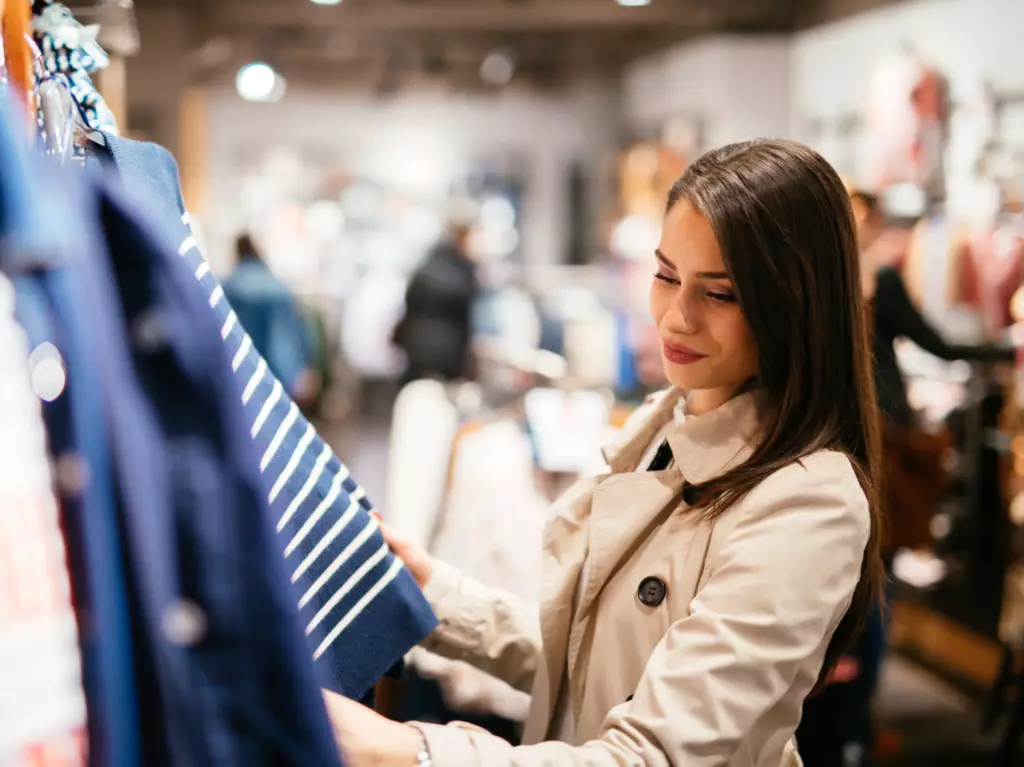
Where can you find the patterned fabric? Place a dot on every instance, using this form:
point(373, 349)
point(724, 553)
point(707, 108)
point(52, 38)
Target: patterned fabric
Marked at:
point(39, 653)
point(362, 610)
point(69, 50)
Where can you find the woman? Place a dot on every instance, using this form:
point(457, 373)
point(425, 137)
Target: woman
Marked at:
point(696, 596)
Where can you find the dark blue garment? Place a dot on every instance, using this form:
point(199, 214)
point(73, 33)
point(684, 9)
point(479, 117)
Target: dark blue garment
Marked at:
point(269, 314)
point(362, 609)
point(221, 665)
point(50, 309)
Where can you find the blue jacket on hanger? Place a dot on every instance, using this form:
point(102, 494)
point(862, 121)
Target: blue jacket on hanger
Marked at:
point(362, 609)
point(220, 663)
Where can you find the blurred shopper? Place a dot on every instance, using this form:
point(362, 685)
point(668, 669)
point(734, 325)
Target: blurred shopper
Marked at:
point(836, 730)
point(436, 332)
point(274, 320)
point(694, 598)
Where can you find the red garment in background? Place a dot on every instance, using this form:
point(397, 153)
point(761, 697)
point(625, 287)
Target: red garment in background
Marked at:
point(998, 265)
point(906, 123)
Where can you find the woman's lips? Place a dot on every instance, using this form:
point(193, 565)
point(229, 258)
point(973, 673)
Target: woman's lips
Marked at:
point(681, 355)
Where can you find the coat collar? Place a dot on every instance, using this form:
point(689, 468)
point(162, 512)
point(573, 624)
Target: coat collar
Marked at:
point(704, 447)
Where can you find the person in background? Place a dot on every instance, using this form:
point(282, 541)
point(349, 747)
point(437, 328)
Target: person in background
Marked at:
point(895, 316)
point(837, 727)
point(273, 319)
point(436, 332)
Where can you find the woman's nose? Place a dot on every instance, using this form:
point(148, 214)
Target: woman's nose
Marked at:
point(682, 315)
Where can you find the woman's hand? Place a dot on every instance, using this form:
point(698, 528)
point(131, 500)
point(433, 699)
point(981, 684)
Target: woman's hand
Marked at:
point(367, 739)
point(417, 560)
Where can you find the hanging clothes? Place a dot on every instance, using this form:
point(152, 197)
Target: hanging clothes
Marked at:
point(218, 659)
point(362, 610)
point(40, 660)
point(34, 224)
point(491, 528)
point(998, 257)
point(70, 49)
point(424, 427)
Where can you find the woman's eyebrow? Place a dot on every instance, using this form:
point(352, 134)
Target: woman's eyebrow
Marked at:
point(714, 275)
point(664, 260)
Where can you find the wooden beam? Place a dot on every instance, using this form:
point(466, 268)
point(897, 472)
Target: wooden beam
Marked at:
point(469, 15)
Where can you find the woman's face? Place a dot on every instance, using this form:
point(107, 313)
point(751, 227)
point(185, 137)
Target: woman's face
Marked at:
point(706, 344)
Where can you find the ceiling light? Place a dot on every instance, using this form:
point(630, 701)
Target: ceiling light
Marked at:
point(326, 2)
point(633, 3)
point(498, 68)
point(259, 82)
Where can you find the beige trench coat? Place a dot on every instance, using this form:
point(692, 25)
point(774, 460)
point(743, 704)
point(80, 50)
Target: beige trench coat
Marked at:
point(717, 672)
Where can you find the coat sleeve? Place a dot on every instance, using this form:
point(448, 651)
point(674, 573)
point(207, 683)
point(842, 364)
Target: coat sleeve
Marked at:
point(489, 628)
point(735, 672)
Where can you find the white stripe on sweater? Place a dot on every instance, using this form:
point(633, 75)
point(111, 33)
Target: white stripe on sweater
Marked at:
point(282, 432)
point(268, 407)
point(323, 543)
point(348, 585)
point(314, 518)
point(242, 353)
point(358, 608)
point(229, 325)
point(293, 463)
point(257, 377)
point(343, 557)
point(303, 494)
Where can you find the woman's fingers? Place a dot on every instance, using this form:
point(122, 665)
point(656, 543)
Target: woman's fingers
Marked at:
point(415, 558)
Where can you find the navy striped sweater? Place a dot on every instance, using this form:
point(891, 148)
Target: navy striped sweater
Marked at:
point(361, 608)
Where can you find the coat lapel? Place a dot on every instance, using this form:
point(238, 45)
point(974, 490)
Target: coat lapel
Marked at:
point(626, 508)
point(565, 550)
point(603, 520)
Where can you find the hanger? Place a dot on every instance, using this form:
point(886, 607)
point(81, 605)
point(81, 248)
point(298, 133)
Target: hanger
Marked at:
point(57, 106)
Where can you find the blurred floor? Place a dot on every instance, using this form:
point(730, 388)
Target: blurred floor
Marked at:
point(933, 724)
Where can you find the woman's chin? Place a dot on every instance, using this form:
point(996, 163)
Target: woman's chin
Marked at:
point(685, 377)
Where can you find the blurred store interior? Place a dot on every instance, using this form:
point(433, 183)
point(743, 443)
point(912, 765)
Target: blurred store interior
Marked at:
point(536, 141)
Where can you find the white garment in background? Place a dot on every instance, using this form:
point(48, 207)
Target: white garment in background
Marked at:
point(567, 428)
point(492, 530)
point(42, 705)
point(423, 427)
point(369, 317)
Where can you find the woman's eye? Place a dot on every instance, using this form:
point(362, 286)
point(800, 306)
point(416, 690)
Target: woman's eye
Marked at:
point(665, 279)
point(725, 298)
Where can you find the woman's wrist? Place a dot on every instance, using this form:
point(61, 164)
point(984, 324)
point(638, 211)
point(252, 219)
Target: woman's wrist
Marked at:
point(423, 757)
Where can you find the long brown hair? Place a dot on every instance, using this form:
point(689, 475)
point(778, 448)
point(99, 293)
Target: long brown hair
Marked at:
point(785, 227)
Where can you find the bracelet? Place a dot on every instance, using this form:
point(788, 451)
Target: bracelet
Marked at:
point(423, 758)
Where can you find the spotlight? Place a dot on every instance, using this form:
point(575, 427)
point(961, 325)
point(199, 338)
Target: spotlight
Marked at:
point(259, 82)
point(498, 68)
